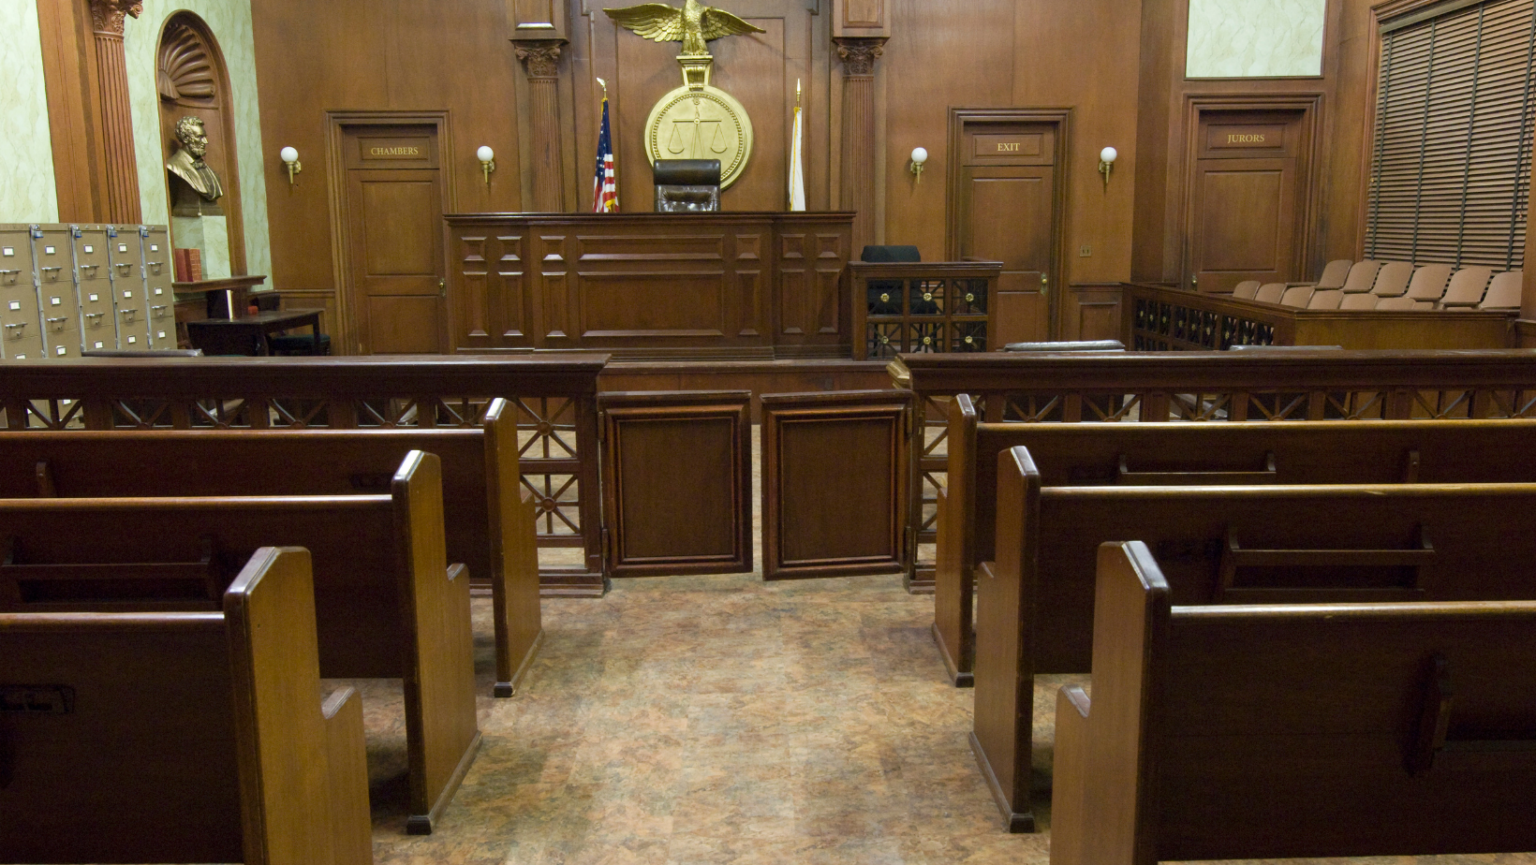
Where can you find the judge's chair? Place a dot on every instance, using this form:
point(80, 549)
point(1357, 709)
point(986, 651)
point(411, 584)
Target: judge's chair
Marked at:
point(687, 185)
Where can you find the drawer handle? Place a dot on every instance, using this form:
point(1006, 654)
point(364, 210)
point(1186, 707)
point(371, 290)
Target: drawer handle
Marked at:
point(124, 264)
point(130, 313)
point(17, 324)
point(46, 269)
point(94, 314)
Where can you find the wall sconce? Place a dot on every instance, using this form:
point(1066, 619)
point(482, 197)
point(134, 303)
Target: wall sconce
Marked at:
point(487, 158)
point(919, 156)
point(290, 158)
point(1107, 158)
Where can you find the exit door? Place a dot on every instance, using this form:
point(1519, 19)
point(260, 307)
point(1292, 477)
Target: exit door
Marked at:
point(1007, 208)
point(394, 241)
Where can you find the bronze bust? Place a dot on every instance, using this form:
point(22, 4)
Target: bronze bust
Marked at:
point(187, 160)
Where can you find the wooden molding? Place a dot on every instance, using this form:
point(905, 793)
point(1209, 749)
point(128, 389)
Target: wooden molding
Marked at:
point(69, 75)
point(860, 18)
point(538, 19)
point(541, 59)
point(859, 55)
point(108, 16)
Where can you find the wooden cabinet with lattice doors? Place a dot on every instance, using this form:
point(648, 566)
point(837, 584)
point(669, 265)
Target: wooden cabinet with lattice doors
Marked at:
point(912, 307)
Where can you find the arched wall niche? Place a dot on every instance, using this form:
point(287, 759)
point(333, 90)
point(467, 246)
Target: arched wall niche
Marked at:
point(191, 78)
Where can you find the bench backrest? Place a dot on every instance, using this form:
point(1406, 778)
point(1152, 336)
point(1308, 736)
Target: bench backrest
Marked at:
point(1251, 544)
point(1306, 731)
point(371, 552)
point(135, 737)
point(478, 464)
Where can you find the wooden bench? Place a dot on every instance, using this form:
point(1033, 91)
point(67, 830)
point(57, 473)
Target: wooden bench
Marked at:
point(1282, 452)
point(1222, 544)
point(553, 394)
point(181, 736)
point(1221, 386)
point(1272, 732)
point(387, 603)
point(488, 515)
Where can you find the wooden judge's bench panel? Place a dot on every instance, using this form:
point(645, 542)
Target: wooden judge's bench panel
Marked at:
point(651, 285)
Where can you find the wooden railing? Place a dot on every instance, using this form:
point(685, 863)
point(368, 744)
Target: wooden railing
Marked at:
point(555, 396)
point(1197, 386)
point(1160, 318)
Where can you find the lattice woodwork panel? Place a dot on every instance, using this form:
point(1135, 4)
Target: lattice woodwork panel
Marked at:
point(1198, 407)
point(1032, 408)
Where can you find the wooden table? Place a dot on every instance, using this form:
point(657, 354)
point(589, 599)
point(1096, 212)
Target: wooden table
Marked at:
point(247, 335)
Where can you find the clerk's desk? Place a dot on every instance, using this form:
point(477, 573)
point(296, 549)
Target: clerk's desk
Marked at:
point(701, 286)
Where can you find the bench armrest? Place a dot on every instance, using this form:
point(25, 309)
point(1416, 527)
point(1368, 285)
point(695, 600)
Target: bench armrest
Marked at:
point(1069, 776)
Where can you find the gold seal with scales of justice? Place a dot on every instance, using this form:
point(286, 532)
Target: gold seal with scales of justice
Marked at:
point(697, 120)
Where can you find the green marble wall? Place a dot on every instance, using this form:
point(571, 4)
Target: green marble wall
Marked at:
point(27, 188)
point(230, 22)
point(1255, 38)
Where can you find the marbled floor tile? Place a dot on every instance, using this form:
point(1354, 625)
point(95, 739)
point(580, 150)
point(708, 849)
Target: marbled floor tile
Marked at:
point(705, 720)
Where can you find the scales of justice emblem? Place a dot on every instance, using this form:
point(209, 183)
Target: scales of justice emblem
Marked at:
point(697, 120)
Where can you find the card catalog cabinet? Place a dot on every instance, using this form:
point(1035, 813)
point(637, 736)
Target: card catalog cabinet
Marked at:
point(155, 246)
point(69, 288)
point(21, 334)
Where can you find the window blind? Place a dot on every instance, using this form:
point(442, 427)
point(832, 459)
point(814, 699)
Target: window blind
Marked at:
point(1451, 164)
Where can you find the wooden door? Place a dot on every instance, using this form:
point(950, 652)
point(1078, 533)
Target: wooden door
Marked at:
point(1246, 199)
point(394, 240)
point(677, 482)
point(835, 483)
point(1009, 211)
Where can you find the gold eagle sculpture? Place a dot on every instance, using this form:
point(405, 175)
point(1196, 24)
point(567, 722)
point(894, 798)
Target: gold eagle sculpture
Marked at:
point(693, 25)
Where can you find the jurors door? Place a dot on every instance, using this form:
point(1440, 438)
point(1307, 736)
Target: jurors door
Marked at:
point(1246, 199)
point(394, 240)
point(1007, 210)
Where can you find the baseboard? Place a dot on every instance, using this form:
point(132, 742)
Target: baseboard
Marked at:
point(1019, 822)
point(508, 689)
point(959, 679)
point(421, 824)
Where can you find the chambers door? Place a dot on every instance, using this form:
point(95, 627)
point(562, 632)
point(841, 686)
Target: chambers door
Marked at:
point(394, 244)
point(1008, 212)
point(1246, 199)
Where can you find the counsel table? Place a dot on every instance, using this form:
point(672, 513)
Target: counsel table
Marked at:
point(248, 334)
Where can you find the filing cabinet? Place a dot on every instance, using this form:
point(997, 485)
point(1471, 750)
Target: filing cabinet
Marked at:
point(129, 292)
point(155, 244)
point(70, 288)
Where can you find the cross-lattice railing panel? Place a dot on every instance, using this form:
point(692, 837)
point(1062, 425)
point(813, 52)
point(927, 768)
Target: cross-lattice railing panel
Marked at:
point(1200, 387)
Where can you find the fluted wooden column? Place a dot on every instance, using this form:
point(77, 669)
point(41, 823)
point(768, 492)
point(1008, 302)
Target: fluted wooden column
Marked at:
point(541, 60)
point(858, 155)
point(122, 164)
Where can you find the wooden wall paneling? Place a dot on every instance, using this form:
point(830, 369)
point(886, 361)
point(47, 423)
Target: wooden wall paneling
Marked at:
point(859, 58)
point(545, 167)
point(313, 298)
point(1092, 312)
point(538, 19)
point(861, 18)
point(1085, 55)
point(69, 73)
point(941, 55)
point(1161, 67)
point(677, 491)
point(834, 483)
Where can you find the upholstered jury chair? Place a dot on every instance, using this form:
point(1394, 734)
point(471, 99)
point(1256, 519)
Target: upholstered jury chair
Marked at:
point(1361, 277)
point(1246, 289)
point(1401, 302)
point(1359, 301)
point(1466, 287)
point(1428, 285)
point(1270, 293)
point(1334, 274)
point(1325, 299)
point(1392, 279)
point(1297, 296)
point(1504, 291)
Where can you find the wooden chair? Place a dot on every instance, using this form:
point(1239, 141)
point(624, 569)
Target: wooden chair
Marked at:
point(1297, 296)
point(1270, 292)
point(488, 513)
point(1216, 544)
point(1246, 289)
point(1166, 454)
point(1362, 275)
point(1365, 300)
point(1325, 300)
point(1392, 280)
point(1275, 732)
point(1428, 285)
point(1504, 291)
point(388, 604)
point(1466, 287)
point(182, 736)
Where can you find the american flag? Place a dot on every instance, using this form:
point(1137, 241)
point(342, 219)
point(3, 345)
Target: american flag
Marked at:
point(605, 190)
